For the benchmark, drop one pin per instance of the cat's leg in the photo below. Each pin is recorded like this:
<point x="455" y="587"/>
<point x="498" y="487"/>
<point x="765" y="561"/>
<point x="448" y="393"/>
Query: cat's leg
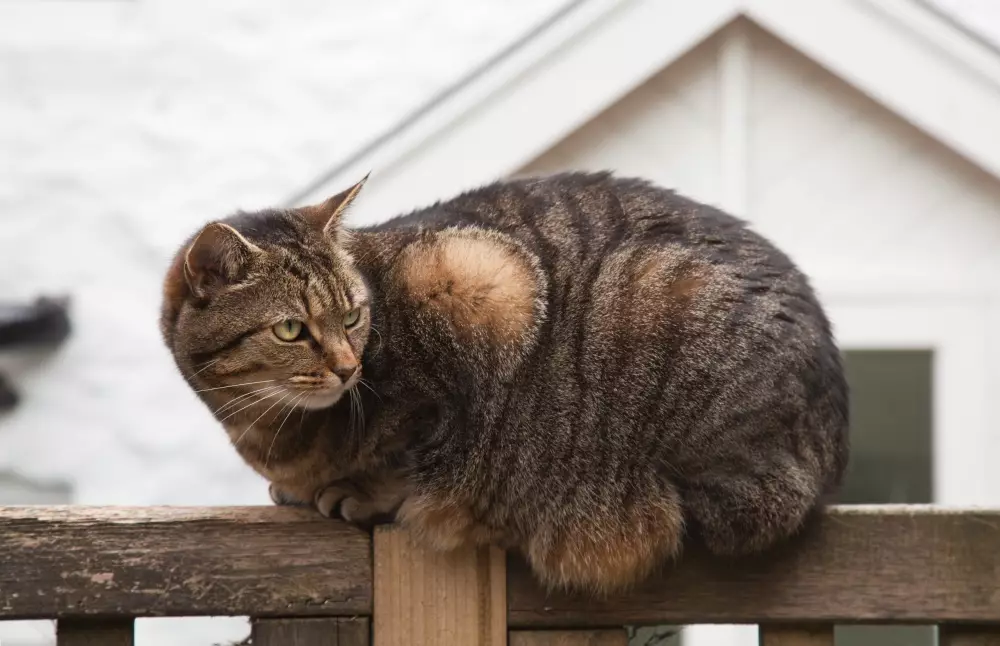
<point x="746" y="510"/>
<point x="609" y="550"/>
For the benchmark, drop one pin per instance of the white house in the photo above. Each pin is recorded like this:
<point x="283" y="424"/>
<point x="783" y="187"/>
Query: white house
<point x="862" y="136"/>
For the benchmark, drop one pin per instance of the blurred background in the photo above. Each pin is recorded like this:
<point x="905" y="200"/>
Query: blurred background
<point x="862" y="136"/>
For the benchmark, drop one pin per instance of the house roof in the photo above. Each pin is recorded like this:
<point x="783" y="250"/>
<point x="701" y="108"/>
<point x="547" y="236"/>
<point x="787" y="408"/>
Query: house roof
<point x="902" y="53"/>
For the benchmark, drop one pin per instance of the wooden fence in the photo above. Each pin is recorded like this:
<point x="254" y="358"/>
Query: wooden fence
<point x="309" y="581"/>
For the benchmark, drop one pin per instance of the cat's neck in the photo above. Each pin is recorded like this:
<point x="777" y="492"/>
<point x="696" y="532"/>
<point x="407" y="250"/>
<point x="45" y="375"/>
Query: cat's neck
<point x="374" y="254"/>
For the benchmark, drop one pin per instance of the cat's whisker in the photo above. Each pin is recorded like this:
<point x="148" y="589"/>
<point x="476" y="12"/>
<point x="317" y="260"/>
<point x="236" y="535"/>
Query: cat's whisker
<point x="302" y="419"/>
<point x="236" y="400"/>
<point x="375" y="330"/>
<point x="360" y="416"/>
<point x="369" y="387"/>
<point x="203" y="368"/>
<point x="253" y="403"/>
<point x="291" y="409"/>
<point x="249" y="383"/>
<point x="350" y="418"/>
<point x="242" y="435"/>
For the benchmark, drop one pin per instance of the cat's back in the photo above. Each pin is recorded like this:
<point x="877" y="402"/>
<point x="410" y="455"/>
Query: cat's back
<point x="582" y="216"/>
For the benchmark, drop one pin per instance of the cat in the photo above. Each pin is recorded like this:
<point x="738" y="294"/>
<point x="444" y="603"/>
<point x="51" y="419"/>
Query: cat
<point x="584" y="367"/>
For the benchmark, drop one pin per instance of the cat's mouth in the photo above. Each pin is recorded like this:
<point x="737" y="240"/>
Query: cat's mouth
<point x="314" y="393"/>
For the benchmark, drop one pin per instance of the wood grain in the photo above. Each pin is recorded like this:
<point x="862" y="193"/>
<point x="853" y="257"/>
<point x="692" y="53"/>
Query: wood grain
<point x="796" y="635"/>
<point x="968" y="635"/>
<point x="304" y="631"/>
<point x="427" y="598"/>
<point x="867" y="564"/>
<point x="611" y="637"/>
<point x="69" y="561"/>
<point x="95" y="632"/>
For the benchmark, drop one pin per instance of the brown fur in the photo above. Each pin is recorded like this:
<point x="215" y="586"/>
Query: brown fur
<point x="609" y="556"/>
<point x="586" y="369"/>
<point x="476" y="282"/>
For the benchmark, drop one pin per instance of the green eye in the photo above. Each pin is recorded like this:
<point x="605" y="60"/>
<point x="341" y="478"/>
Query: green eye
<point x="351" y="318"/>
<point x="288" y="330"/>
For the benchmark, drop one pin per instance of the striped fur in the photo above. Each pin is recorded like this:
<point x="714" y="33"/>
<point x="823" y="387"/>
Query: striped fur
<point x="583" y="367"/>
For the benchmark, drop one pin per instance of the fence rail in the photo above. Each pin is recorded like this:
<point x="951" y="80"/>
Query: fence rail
<point x="309" y="581"/>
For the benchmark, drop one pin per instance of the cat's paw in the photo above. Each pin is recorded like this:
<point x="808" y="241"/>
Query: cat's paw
<point x="330" y="500"/>
<point x="346" y="502"/>
<point x="282" y="498"/>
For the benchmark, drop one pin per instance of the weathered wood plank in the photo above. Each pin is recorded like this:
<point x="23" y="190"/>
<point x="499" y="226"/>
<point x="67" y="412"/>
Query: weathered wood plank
<point x="796" y="635"/>
<point x="310" y="631"/>
<point x="968" y="635"/>
<point x="427" y="598"/>
<point x="866" y="564"/>
<point x="95" y="632"/>
<point x="69" y="561"/>
<point x="611" y="637"/>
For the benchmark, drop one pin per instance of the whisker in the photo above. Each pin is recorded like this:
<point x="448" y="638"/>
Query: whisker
<point x="249" y="383"/>
<point x="253" y="403"/>
<point x="291" y="409"/>
<point x="368" y="386"/>
<point x="243" y="397"/>
<point x="357" y="414"/>
<point x="204" y="368"/>
<point x="350" y="413"/>
<point x="302" y="419"/>
<point x="242" y="435"/>
<point x="375" y="330"/>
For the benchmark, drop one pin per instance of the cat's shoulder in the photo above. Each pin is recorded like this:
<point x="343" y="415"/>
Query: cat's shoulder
<point x="484" y="284"/>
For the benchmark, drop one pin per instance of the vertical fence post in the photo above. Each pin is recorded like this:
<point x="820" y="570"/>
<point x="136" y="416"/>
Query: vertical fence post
<point x="615" y="637"/>
<point x="310" y="631"/>
<point x="796" y="635"/>
<point x="968" y="635"/>
<point x="427" y="598"/>
<point x="95" y="632"/>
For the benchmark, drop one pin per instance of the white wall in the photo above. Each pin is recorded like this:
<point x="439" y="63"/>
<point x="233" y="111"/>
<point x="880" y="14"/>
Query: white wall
<point x="123" y="125"/>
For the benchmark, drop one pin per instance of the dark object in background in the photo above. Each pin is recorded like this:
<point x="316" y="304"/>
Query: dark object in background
<point x="42" y="323"/>
<point x="8" y="396"/>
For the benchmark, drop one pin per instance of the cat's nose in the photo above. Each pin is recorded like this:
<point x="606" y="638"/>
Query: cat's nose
<point x="345" y="372"/>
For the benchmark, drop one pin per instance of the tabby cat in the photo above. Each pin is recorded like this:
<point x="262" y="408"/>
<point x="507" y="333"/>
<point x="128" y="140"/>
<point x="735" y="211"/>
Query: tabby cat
<point x="582" y="367"/>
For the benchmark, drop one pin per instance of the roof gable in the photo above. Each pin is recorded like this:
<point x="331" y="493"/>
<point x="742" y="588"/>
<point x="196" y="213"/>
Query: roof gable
<point x="597" y="51"/>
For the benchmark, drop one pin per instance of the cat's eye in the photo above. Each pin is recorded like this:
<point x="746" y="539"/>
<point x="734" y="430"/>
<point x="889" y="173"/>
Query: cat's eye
<point x="351" y="318"/>
<point x="288" y="330"/>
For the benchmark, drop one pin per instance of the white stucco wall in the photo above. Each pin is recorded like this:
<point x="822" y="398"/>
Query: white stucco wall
<point x="123" y="125"/>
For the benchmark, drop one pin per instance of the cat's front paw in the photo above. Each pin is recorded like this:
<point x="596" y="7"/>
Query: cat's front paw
<point x="330" y="501"/>
<point x="283" y="498"/>
<point x="345" y="501"/>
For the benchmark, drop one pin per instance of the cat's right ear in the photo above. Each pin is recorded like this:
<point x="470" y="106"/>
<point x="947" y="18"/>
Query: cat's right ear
<point x="326" y="217"/>
<point x="218" y="256"/>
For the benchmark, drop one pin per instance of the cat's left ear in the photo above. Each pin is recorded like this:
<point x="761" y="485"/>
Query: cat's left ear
<point x="218" y="256"/>
<point x="326" y="217"/>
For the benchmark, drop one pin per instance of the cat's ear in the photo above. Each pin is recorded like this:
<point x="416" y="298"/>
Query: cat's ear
<point x="326" y="217"/>
<point x="218" y="256"/>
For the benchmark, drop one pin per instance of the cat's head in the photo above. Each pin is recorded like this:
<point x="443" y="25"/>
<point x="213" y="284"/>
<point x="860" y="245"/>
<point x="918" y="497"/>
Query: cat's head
<point x="269" y="304"/>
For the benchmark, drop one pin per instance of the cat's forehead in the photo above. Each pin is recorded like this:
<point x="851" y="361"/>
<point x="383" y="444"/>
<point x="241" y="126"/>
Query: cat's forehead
<point x="322" y="280"/>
